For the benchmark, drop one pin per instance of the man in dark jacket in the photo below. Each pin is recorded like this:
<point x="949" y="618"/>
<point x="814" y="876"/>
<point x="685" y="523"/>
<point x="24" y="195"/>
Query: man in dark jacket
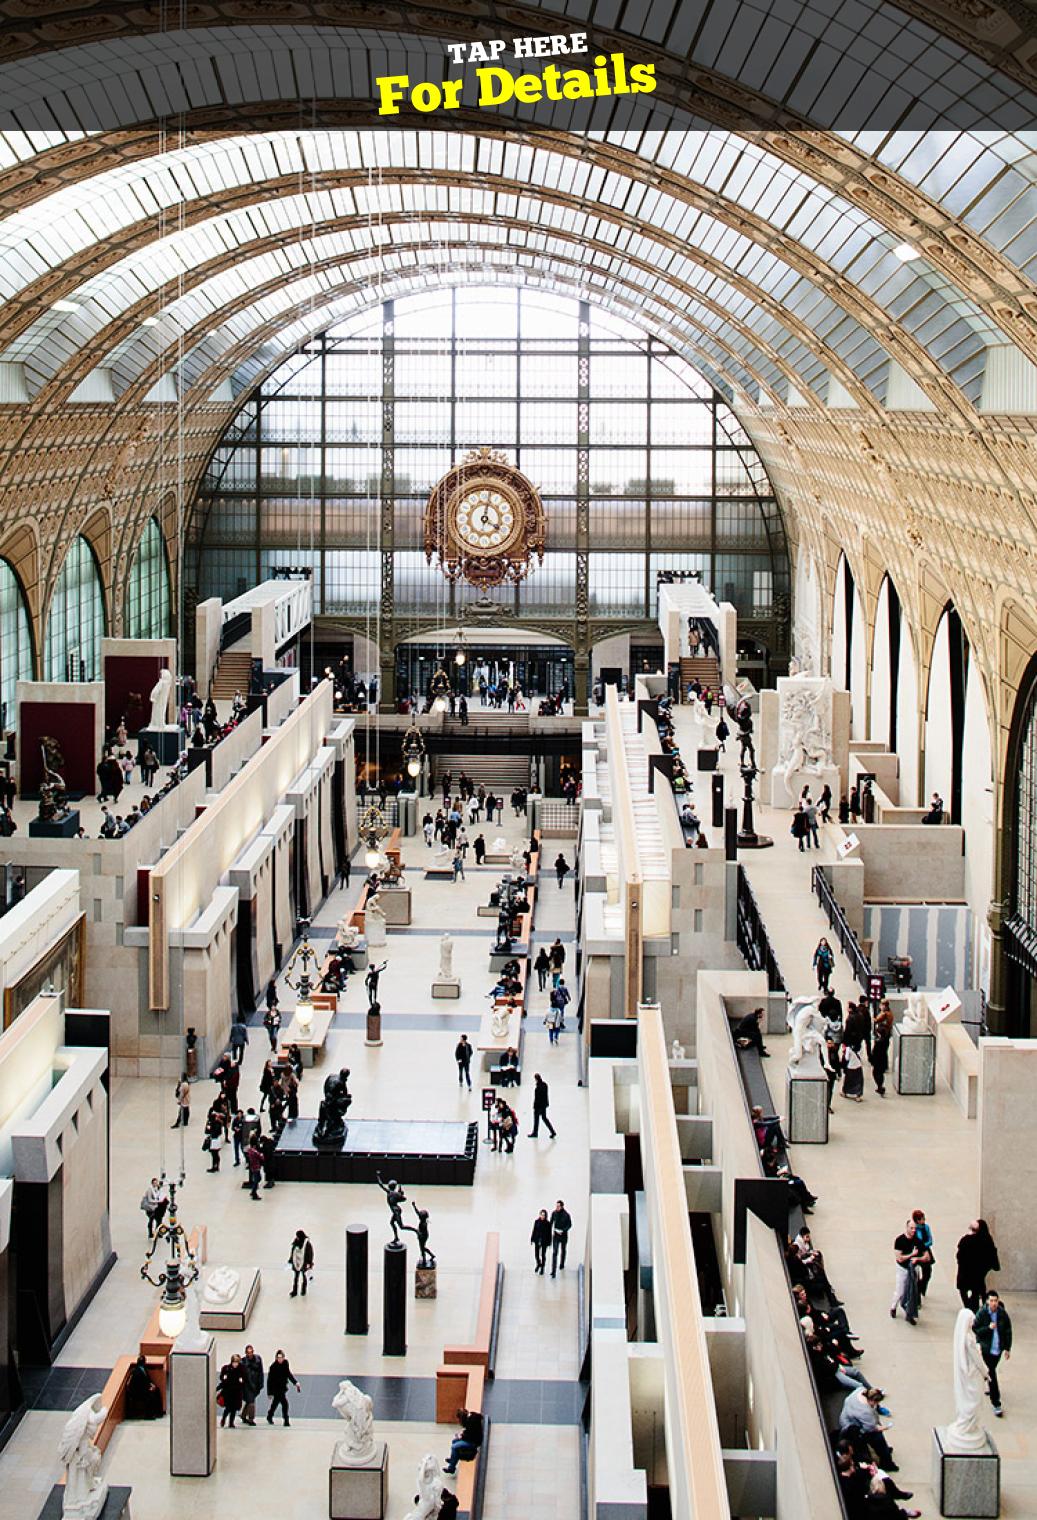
<point x="279" y="1375"/>
<point x="541" y="1098"/>
<point x="463" y="1057"/>
<point x="993" y="1330"/>
<point x="561" y="1224"/>
<point x="251" y="1383"/>
<point x="465" y="1445"/>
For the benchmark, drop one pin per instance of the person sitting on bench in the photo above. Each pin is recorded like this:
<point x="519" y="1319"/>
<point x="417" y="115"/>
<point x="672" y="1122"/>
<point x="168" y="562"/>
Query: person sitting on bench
<point x="465" y="1445"/>
<point x="748" y="1032"/>
<point x="508" y="1067"/>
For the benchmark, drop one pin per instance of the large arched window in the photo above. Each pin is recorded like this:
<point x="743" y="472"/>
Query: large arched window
<point x="1024" y="885"/>
<point x="15" y="643"/>
<point x="75" y="623"/>
<point x="148" y="593"/>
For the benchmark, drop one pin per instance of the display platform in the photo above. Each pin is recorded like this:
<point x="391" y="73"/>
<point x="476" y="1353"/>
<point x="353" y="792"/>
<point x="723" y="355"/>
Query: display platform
<point x="438" y="1153"/>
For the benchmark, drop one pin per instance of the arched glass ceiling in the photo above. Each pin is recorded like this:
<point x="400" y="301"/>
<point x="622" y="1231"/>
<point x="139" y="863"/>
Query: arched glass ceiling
<point x="760" y="205"/>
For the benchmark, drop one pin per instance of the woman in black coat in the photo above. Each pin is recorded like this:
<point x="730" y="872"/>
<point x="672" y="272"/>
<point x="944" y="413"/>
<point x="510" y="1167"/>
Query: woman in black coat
<point x="541" y="1239"/>
<point x="977" y="1255"/>
<point x="278" y="1376"/>
<point x="229" y="1389"/>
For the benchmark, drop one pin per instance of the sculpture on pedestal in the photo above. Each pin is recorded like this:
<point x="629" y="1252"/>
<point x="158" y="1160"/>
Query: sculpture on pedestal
<point x="804" y="735"/>
<point x="500" y="1022"/>
<point x="808" y="1035"/>
<point x="426" y="1259"/>
<point x="356" y="1443"/>
<point x="159" y="699"/>
<point x="395" y="1198"/>
<point x="676" y="1051"/>
<point x="430" y="1488"/>
<point x="192" y="1337"/>
<point x="446" y="958"/>
<point x="915" y="1020"/>
<point x="221" y="1285"/>
<point x="330" y="1131"/>
<point x="374" y="921"/>
<point x="371" y="982"/>
<point x="85" y="1489"/>
<point x="966" y="1433"/>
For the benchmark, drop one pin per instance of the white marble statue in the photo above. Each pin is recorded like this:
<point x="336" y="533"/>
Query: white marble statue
<point x="430" y="1487"/>
<point x="159" y="699"/>
<point x="446" y="959"/>
<point x="966" y="1433"/>
<point x="676" y="1051"/>
<point x="916" y="1014"/>
<point x="348" y="934"/>
<point x="356" y="1443"/>
<point x="499" y="845"/>
<point x="808" y="1035"/>
<point x="500" y="1023"/>
<point x="221" y="1285"/>
<point x="374" y="922"/>
<point x="804" y="735"/>
<point x="192" y="1337"/>
<point x="85" y="1489"/>
<point x="517" y="860"/>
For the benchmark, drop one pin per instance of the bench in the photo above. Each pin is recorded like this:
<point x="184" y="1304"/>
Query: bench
<point x="113" y="1394"/>
<point x="461" y="1381"/>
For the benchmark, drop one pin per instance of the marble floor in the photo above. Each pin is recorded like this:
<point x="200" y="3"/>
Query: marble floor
<point x="885" y="1157"/>
<point x="535" y="1447"/>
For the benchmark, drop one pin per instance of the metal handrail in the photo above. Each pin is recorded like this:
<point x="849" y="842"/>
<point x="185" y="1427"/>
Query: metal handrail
<point x="752" y="937"/>
<point x="837" y="922"/>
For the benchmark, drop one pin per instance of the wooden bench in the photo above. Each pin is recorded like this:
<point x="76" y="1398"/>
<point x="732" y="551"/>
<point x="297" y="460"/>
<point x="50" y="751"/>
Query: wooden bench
<point x="482" y="1350"/>
<point x="461" y="1381"/>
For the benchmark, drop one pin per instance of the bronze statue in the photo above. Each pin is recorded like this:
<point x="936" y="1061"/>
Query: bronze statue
<point x="394" y="1197"/>
<point x="427" y="1259"/>
<point x="330" y="1131"/>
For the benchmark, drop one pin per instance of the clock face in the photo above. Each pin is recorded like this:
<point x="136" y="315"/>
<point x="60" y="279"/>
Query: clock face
<point x="485" y="520"/>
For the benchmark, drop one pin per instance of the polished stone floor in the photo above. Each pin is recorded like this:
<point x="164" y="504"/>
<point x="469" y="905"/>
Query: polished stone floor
<point x="534" y="1467"/>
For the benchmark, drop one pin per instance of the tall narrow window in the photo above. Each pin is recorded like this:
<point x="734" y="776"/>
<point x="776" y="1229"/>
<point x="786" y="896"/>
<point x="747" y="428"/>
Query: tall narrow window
<point x="148" y="594"/>
<point x="75" y="622"/>
<point x="15" y="643"/>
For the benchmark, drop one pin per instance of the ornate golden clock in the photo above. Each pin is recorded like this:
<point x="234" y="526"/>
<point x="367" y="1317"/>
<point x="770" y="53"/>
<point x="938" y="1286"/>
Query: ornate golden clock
<point x="485" y="521"/>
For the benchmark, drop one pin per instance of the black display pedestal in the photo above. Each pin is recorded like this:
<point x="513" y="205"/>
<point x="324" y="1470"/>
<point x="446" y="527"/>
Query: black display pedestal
<point x="394" y="1301"/>
<point x="356" y="1279"/>
<point x="116" y="1504"/>
<point x="55" y="828"/>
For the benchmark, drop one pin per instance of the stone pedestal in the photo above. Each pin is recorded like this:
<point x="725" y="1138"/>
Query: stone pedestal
<point x="395" y="904"/>
<point x="706" y="759"/>
<point x="394" y="1300"/>
<point x="236" y="1312"/>
<point x="374" y="1029"/>
<point x="360" y="1492"/>
<point x="424" y="1282"/>
<point x="966" y="1483"/>
<point x="806" y="1108"/>
<point x="374" y="930"/>
<point x="781" y="795"/>
<point x="913" y="1062"/>
<point x="446" y="987"/>
<point x="192" y="1411"/>
<point x="116" y="1505"/>
<point x="356" y="1279"/>
<point x="167" y="742"/>
<point x="55" y="828"/>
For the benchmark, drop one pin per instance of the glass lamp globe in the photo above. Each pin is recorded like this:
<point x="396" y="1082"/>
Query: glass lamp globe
<point x="304" y="1015"/>
<point x="172" y="1318"/>
<point x="439" y="705"/>
<point x="413" y="767"/>
<point x="460" y="657"/>
<point x="371" y="857"/>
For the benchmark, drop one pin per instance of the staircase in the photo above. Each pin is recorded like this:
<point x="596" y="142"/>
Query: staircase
<point x="490" y="720"/>
<point x="232" y="674"/>
<point x="498" y="773"/>
<point x="703" y="668"/>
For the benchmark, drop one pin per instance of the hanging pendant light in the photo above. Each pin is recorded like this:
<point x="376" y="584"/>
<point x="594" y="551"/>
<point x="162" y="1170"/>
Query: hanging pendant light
<point x="181" y="1270"/>
<point x="413" y="748"/>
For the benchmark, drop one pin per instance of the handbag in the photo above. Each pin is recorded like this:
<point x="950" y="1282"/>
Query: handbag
<point x="220" y="1400"/>
<point x="207" y="1143"/>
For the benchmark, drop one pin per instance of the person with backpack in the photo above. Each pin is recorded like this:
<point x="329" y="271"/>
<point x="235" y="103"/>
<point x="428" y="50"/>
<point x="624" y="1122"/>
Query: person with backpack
<point x="561" y="997"/>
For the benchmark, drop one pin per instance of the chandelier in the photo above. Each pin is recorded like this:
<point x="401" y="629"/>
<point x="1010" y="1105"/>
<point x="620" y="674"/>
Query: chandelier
<point x="413" y="749"/>
<point x="181" y="1270"/>
<point x="440" y="688"/>
<point x="299" y="963"/>
<point x="373" y="828"/>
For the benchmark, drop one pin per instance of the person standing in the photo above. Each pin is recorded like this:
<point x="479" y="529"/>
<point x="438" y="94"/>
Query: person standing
<point x="561" y="1224"/>
<point x="853" y="1072"/>
<point x="557" y="957"/>
<point x="148" y="766"/>
<point x="881" y="1033"/>
<point x="251" y="1384"/>
<point x="279" y="1375"/>
<point x="905" y="1294"/>
<point x="993" y="1330"/>
<point x="926" y="1257"/>
<point x="561" y="869"/>
<point x="229" y="1390"/>
<point x="977" y="1255"/>
<point x="183" y="1103"/>
<point x="824" y="964"/>
<point x="560" y="999"/>
<point x="458" y="864"/>
<point x="238" y="1041"/>
<point x="154" y="1203"/>
<point x="542" y="965"/>
<point x="272" y="1025"/>
<point x="254" y="1162"/>
<point x="540" y="1240"/>
<point x="480" y="849"/>
<point x="541" y="1099"/>
<point x="553" y="1020"/>
<point x="215" y="1134"/>
<point x="463" y="1057"/>
<point x="300" y="1259"/>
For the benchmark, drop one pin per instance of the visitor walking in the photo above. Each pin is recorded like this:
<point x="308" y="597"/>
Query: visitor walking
<point x="228" y="1390"/>
<point x="300" y="1259"/>
<point x="560" y="1000"/>
<point x="155" y="1203"/>
<point x="540" y="1240"/>
<point x="553" y="1021"/>
<point x="277" y="1379"/>
<point x="183" y="1102"/>
<point x="906" y="1250"/>
<point x="882" y="1031"/>
<point x="993" y="1330"/>
<point x="926" y="1254"/>
<point x="458" y="865"/>
<point x="853" y="1072"/>
<point x="463" y="1057"/>
<point x="238" y="1041"/>
<point x="824" y="965"/>
<point x="557" y="958"/>
<point x="561" y="1224"/>
<point x="976" y="1255"/>
<point x="561" y="869"/>
<point x="254" y="1162"/>
<point x="251" y="1384"/>
<point x="542" y="966"/>
<point x="541" y="1099"/>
